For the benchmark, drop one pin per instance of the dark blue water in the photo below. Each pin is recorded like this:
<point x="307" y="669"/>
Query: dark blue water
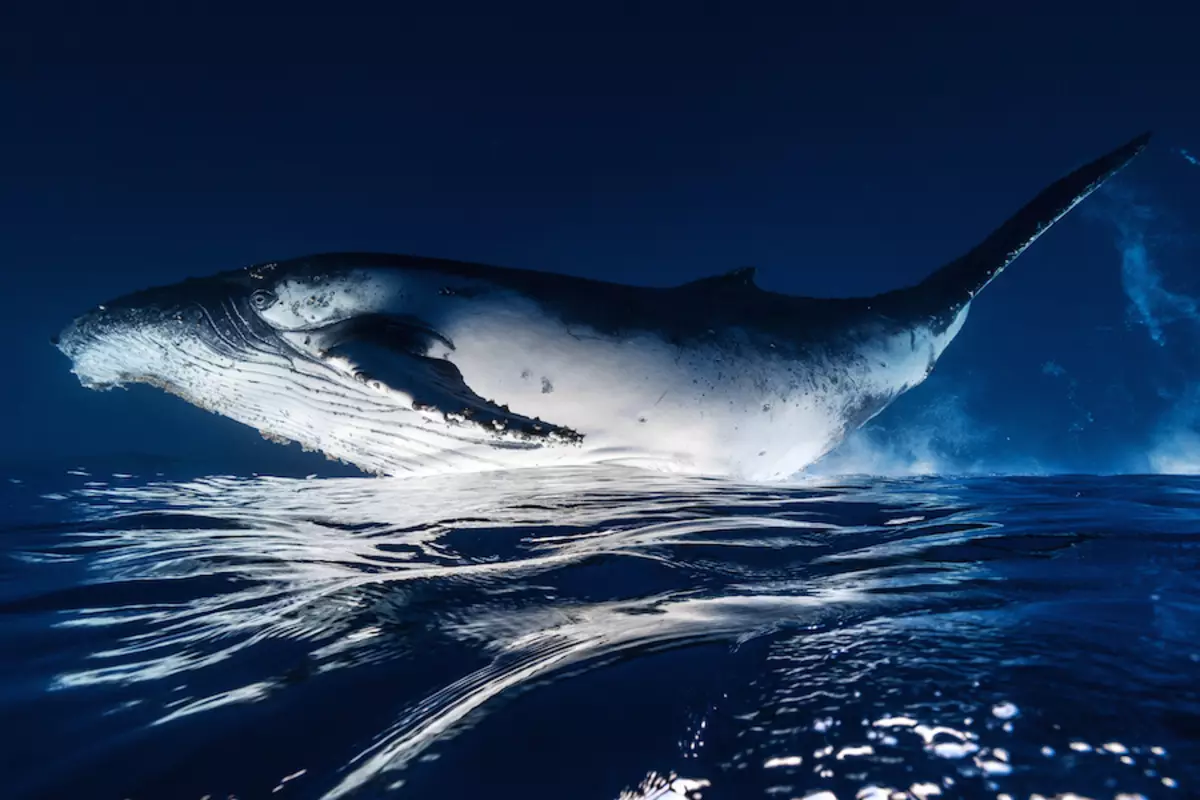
<point x="578" y="634"/>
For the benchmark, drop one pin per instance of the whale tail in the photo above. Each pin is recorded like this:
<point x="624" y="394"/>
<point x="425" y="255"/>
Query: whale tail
<point x="957" y="283"/>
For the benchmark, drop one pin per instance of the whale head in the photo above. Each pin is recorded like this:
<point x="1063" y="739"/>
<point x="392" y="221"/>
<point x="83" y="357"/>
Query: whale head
<point x="178" y="336"/>
<point x="169" y="336"/>
<point x="331" y="351"/>
<point x="238" y="343"/>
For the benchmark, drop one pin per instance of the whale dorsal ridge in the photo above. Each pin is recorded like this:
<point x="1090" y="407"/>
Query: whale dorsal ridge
<point x="742" y="277"/>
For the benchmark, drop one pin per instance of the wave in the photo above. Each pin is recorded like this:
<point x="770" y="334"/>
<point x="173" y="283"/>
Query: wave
<point x="432" y="605"/>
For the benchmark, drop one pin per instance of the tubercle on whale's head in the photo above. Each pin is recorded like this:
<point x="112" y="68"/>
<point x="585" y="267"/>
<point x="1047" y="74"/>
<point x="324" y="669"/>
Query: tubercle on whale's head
<point x="233" y="316"/>
<point x="120" y="340"/>
<point x="302" y="299"/>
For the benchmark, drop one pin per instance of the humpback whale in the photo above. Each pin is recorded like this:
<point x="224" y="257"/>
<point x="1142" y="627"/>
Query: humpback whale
<point x="403" y="364"/>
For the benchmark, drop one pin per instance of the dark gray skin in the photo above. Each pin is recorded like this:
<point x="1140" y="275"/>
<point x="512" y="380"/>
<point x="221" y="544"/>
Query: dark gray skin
<point x="224" y="311"/>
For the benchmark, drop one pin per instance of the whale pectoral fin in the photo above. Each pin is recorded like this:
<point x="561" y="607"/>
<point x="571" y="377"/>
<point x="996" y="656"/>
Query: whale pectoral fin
<point x="389" y="351"/>
<point x="396" y="332"/>
<point x="443" y="389"/>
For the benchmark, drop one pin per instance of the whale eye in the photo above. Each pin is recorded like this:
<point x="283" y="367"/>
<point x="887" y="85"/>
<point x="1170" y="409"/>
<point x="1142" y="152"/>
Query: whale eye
<point x="263" y="299"/>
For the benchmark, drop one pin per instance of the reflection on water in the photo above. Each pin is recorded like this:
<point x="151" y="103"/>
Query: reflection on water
<point x="584" y="631"/>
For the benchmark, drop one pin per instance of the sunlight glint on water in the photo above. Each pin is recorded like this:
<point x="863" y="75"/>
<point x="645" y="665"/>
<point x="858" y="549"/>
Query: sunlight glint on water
<point x="601" y="631"/>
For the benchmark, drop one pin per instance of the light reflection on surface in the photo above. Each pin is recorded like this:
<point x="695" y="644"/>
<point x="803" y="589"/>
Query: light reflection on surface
<point x="865" y="626"/>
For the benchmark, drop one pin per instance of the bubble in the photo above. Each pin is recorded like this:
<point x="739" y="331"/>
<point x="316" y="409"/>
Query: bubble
<point x="874" y="793"/>
<point x="994" y="767"/>
<point x="1005" y="711"/>
<point x="849" y="752"/>
<point x="892" y="722"/>
<point x="954" y="749"/>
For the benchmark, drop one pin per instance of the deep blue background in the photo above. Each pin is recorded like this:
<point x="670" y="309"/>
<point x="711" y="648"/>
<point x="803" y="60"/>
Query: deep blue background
<point x="843" y="149"/>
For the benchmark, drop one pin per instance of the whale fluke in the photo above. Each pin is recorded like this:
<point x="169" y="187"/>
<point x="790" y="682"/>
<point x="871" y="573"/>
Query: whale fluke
<point x="950" y="288"/>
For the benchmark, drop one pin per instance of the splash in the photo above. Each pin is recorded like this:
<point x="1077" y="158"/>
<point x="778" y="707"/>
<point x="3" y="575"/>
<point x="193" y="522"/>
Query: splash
<point x="1175" y="449"/>
<point x="1156" y="305"/>
<point x="1146" y="235"/>
<point x="1082" y="417"/>
<point x="1140" y="230"/>
<point x="942" y="439"/>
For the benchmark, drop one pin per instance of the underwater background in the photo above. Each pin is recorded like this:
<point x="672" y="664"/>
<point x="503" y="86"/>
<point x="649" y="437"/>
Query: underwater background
<point x="990" y="591"/>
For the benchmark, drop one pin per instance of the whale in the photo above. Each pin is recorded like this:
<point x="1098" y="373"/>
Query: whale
<point x="410" y="365"/>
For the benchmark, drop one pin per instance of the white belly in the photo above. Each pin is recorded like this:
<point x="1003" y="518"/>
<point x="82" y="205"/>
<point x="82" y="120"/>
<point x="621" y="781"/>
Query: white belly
<point x="726" y="408"/>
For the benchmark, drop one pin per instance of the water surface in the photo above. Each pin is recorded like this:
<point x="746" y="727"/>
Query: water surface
<point x="583" y="633"/>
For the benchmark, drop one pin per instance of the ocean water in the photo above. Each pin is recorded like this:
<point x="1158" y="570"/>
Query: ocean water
<point x="598" y="634"/>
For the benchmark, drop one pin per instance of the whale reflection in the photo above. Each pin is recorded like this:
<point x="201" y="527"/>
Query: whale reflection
<point x="451" y="592"/>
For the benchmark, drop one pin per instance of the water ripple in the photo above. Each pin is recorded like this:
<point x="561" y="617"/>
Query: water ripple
<point x="915" y="636"/>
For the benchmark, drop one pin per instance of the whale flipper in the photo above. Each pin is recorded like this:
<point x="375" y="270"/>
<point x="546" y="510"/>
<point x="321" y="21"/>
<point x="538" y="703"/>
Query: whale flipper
<point x="396" y="332"/>
<point x="389" y="352"/>
<point x="957" y="283"/>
